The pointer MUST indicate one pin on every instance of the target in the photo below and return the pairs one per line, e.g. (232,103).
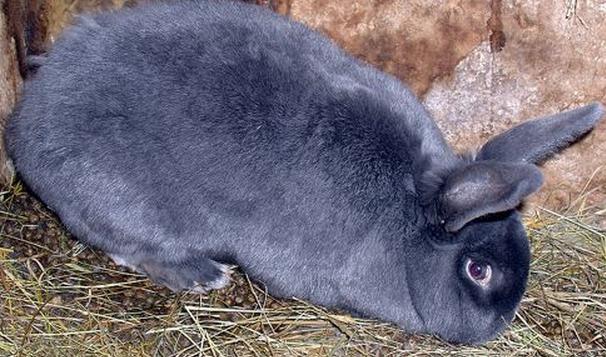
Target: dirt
(30,231)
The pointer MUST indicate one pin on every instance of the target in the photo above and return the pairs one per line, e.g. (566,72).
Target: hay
(59,298)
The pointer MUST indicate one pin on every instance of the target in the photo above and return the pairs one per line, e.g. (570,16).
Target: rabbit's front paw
(198,274)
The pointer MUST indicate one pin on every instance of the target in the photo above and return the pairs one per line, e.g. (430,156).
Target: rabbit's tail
(34,62)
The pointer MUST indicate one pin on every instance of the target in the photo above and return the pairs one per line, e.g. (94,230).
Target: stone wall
(483,66)
(479,66)
(10,83)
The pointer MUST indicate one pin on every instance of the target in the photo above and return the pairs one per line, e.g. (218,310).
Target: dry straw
(59,298)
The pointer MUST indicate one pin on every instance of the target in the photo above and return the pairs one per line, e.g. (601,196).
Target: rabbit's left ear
(536,140)
(485,187)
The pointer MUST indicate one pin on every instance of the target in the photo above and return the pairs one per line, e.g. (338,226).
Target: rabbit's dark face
(493,269)
(467,270)
(470,284)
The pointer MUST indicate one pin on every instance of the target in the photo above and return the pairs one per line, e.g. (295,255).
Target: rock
(417,41)
(483,66)
(479,66)
(548,63)
(10,84)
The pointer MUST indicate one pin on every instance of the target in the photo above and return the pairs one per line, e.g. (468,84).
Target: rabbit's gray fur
(186,137)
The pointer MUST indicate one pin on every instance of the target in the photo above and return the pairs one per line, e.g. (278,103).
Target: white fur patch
(219,283)
(119,260)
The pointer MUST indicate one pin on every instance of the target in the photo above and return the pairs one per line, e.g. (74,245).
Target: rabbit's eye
(478,273)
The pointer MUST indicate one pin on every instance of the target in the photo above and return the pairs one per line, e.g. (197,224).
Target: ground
(58,298)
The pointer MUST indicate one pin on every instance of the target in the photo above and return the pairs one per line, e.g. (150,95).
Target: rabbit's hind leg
(197,273)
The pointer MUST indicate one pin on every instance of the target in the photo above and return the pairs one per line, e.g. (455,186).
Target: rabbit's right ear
(484,187)
(536,140)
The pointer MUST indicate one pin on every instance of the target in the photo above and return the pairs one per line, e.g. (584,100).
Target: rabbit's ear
(485,187)
(536,140)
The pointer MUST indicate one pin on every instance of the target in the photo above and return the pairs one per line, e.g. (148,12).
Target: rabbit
(186,138)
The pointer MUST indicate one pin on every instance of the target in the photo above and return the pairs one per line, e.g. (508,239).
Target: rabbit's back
(223,127)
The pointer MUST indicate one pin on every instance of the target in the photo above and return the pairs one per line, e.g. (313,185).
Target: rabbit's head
(473,258)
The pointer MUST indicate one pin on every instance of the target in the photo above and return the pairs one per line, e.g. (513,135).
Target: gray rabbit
(185,138)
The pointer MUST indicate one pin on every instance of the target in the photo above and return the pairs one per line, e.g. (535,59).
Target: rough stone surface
(483,66)
(417,40)
(10,84)
(480,66)
(548,63)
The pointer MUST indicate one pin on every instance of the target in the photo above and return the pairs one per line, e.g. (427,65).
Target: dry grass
(58,298)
